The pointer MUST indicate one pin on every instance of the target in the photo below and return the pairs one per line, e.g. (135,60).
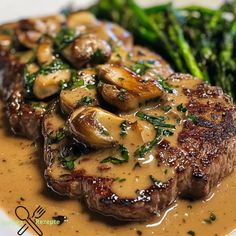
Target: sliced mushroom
(83,92)
(81,18)
(95,126)
(25,57)
(32,68)
(49,25)
(156,65)
(44,53)
(120,98)
(29,38)
(113,34)
(134,88)
(31,30)
(87,49)
(5,42)
(46,85)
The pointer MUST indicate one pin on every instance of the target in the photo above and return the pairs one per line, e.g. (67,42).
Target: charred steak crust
(23,118)
(204,155)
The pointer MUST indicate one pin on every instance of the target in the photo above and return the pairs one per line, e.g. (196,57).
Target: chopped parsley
(87,100)
(103,131)
(115,160)
(140,67)
(121,95)
(147,147)
(210,219)
(156,121)
(44,70)
(167,132)
(154,180)
(123,128)
(120,180)
(181,108)
(63,84)
(166,108)
(91,85)
(98,57)
(193,118)
(78,84)
(165,86)
(69,162)
(7,31)
(60,135)
(39,106)
(65,37)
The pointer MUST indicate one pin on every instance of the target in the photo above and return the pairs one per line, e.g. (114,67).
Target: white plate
(15,9)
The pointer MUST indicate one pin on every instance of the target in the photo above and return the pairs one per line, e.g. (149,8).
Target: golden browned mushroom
(120,98)
(45,53)
(87,49)
(81,18)
(46,85)
(25,56)
(28,38)
(95,126)
(49,25)
(32,68)
(112,33)
(148,63)
(130,89)
(31,30)
(83,92)
(5,42)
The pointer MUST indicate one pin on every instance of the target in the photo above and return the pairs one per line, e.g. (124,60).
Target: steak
(200,154)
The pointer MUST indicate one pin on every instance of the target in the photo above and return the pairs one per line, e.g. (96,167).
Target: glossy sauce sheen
(22,183)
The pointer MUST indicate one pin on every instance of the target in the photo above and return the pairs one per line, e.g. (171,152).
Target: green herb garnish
(156,121)
(154,180)
(181,108)
(123,126)
(68,162)
(114,160)
(87,100)
(122,94)
(165,86)
(167,132)
(98,57)
(120,180)
(140,67)
(147,147)
(44,70)
(193,118)
(60,135)
(166,108)
(65,37)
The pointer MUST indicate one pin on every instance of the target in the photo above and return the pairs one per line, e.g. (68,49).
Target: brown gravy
(22,183)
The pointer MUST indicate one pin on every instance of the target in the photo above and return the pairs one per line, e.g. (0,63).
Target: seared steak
(194,159)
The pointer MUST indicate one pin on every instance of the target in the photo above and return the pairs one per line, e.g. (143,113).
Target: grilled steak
(188,164)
